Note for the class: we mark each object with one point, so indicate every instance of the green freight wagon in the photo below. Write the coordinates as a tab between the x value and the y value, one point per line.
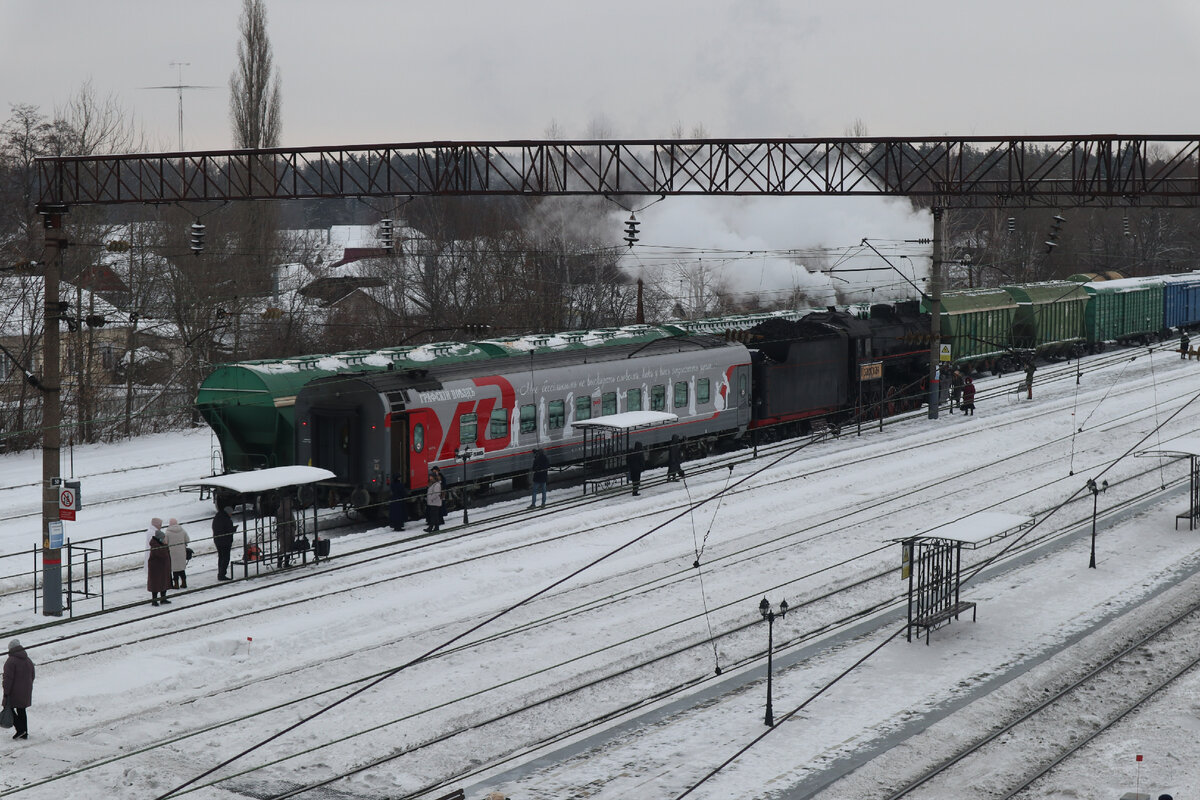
977	323
1049	318
1128	310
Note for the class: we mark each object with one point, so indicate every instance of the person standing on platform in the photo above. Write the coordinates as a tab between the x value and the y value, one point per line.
956	387
177	540
674	460
18	687
541	476
223	528
968	401
158	568
398	505
636	462
1184	343
285	531
433	501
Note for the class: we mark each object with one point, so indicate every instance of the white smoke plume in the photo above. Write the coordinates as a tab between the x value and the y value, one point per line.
770	246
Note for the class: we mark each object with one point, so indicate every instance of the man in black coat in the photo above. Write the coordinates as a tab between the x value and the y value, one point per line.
636	462
541	475
223	528
675	460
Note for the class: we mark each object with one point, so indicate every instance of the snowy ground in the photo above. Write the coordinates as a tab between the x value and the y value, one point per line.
140	700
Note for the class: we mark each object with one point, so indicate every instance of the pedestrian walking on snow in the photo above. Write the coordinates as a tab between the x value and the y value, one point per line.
1184	344
158	568
178	540
540	475
968	400
956	388
18	687
223	528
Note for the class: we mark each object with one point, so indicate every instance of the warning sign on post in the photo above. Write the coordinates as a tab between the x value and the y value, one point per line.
68	501
945	353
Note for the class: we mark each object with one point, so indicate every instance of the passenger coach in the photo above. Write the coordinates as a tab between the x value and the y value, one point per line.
502	403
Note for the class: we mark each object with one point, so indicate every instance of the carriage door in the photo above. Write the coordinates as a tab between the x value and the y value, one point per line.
336	443
399	446
741	393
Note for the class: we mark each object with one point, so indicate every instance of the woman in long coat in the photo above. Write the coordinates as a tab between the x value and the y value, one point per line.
158	568
433	500
18	687
178	540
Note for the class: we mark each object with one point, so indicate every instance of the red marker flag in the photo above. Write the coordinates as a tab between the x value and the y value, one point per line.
1139	758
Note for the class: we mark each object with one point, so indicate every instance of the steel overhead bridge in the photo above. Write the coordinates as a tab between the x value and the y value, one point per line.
1097	170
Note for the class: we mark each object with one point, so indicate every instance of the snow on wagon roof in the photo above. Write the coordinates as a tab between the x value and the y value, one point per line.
262	480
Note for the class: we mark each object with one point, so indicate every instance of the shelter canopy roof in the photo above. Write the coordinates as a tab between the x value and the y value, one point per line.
628	420
976	529
262	480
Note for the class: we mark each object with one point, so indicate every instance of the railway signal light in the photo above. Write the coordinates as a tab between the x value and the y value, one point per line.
197	238
631	230
387	236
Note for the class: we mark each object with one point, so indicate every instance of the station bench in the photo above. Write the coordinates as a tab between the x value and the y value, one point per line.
931	621
604	484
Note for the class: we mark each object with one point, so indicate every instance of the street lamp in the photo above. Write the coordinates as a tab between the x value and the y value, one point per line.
466	453
764	608
1095	490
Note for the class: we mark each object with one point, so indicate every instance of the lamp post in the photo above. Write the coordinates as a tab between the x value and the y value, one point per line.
768	613
1095	490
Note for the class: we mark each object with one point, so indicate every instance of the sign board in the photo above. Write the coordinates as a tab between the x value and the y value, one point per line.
470	452
56	534
945	353
68	502
56	481
870	371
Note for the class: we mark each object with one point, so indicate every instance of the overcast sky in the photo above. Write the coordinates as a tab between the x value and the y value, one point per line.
375	71
394	71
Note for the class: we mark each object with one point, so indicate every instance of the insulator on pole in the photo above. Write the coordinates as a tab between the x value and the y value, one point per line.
197	238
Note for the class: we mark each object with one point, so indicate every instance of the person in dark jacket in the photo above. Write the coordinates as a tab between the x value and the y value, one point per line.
541	476
675	460
285	531
158	568
433	501
223	528
18	687
1184	343
636	462
956	387
968	401
398	505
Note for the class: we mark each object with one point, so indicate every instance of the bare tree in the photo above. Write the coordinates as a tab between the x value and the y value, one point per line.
254	110
254	93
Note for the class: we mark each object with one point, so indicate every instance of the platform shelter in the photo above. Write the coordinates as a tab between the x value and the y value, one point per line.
932	565
606	439
274	513
1184	447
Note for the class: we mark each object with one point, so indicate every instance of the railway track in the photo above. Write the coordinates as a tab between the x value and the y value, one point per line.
1012	760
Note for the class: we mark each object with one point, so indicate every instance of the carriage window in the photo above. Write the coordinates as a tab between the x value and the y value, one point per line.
557	414
658	398
528	419
608	403
467	427
418	437
681	394
498	424
583	407
633	400
702	390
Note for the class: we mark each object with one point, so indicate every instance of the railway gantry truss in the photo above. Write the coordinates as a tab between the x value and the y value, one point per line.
1062	171
1102	170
